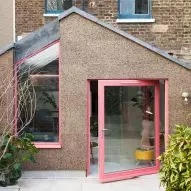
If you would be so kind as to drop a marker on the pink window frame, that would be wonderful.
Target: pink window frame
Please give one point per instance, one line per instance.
(126, 174)
(46, 145)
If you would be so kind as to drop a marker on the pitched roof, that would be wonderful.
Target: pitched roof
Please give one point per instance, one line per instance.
(50, 32)
(34, 41)
(124, 34)
(37, 40)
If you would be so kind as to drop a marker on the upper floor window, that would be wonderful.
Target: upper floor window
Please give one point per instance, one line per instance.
(135, 9)
(57, 6)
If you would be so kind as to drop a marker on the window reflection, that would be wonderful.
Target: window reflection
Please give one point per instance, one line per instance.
(138, 9)
(58, 5)
(130, 135)
(45, 81)
(141, 7)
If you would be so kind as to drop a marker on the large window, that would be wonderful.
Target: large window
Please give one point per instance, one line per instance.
(41, 73)
(57, 6)
(135, 9)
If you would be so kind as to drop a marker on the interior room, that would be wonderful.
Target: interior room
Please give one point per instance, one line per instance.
(94, 128)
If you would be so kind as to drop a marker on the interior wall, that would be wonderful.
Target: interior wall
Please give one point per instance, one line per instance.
(162, 105)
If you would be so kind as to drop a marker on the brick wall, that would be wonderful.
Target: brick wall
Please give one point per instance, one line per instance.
(28, 15)
(171, 31)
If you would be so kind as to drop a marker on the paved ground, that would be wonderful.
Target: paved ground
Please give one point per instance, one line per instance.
(145, 183)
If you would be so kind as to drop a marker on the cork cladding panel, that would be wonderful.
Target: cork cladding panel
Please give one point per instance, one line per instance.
(62, 159)
(6, 75)
(89, 50)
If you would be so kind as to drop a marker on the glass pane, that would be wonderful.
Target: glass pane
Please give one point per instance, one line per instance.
(129, 128)
(58, 4)
(141, 6)
(126, 7)
(43, 88)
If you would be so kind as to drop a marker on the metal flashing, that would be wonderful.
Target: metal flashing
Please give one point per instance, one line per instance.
(37, 40)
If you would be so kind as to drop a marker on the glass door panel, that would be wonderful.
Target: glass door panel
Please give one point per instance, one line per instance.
(129, 128)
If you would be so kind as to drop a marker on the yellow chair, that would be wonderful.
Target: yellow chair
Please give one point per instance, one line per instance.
(144, 155)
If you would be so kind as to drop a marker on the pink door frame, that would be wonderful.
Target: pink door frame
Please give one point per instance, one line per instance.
(166, 113)
(88, 127)
(123, 175)
(130, 173)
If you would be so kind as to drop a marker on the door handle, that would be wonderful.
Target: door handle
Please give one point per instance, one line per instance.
(105, 129)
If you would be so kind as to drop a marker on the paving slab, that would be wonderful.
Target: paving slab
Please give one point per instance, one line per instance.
(66, 184)
(10, 188)
(72, 183)
(35, 184)
(93, 184)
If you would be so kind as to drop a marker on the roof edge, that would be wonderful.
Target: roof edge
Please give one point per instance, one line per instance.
(36, 40)
(6, 48)
(124, 34)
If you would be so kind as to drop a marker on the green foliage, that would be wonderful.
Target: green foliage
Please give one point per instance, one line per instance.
(175, 173)
(94, 127)
(17, 151)
(49, 99)
(112, 100)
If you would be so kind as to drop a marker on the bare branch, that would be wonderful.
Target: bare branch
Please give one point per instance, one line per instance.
(18, 103)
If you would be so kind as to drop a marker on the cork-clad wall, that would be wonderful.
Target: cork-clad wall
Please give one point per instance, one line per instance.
(6, 79)
(90, 51)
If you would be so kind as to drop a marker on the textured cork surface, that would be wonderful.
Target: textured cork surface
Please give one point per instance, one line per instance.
(90, 51)
(6, 75)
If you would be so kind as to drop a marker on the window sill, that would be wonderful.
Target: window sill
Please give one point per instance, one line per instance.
(51, 14)
(152, 20)
(43, 145)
